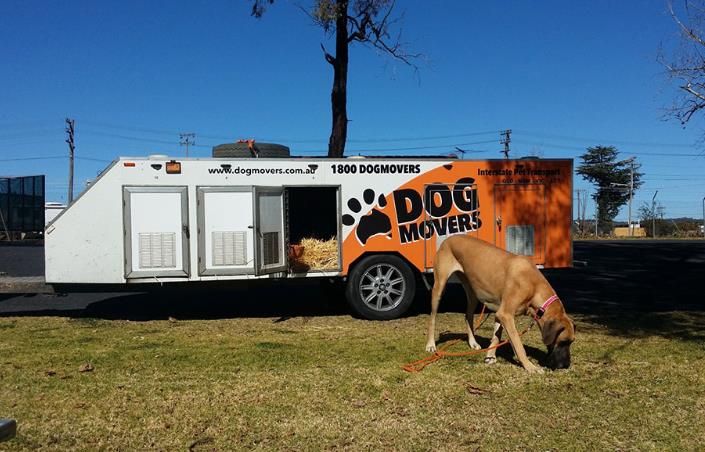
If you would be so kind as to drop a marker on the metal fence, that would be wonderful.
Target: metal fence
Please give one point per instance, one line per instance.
(22, 204)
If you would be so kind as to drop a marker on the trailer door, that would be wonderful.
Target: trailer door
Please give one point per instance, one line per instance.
(270, 240)
(156, 232)
(225, 231)
(449, 209)
(520, 219)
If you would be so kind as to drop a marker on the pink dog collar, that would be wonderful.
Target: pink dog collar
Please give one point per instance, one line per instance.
(540, 311)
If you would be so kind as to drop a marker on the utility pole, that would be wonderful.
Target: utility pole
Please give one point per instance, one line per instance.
(186, 139)
(597, 210)
(9, 237)
(505, 141)
(70, 123)
(577, 193)
(582, 207)
(653, 215)
(630, 187)
(631, 194)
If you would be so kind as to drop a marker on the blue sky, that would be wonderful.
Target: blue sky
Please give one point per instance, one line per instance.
(562, 75)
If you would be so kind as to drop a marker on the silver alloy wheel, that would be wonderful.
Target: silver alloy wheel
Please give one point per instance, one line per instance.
(382, 287)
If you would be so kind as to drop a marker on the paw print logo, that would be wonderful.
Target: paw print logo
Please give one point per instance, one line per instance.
(376, 223)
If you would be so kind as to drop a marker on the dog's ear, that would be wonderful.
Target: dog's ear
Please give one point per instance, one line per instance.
(550, 331)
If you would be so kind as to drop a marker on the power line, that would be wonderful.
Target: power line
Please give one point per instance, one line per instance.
(412, 148)
(132, 138)
(415, 148)
(94, 159)
(529, 133)
(576, 148)
(20, 159)
(290, 140)
(23, 135)
(621, 142)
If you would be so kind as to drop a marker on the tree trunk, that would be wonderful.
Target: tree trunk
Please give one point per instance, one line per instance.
(338, 96)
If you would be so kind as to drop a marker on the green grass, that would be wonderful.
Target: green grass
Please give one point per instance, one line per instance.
(336, 383)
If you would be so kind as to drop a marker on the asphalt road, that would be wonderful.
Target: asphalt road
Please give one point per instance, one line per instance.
(619, 278)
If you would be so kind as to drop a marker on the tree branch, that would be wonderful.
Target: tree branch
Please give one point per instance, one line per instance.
(688, 32)
(329, 58)
(259, 6)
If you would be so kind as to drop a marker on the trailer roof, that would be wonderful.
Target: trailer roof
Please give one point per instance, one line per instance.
(343, 159)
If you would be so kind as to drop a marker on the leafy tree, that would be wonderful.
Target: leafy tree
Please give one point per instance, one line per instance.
(611, 177)
(650, 215)
(648, 212)
(368, 22)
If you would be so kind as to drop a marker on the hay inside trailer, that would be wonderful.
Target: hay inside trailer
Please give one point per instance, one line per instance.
(314, 254)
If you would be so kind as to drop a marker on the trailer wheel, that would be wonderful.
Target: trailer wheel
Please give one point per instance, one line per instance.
(380, 287)
(239, 150)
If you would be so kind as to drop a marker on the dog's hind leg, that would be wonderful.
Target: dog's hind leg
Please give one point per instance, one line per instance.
(436, 294)
(470, 312)
(491, 356)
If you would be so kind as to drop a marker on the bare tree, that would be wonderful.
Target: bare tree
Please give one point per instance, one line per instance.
(686, 64)
(369, 22)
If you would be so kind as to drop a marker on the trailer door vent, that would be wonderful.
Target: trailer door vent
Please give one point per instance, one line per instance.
(520, 240)
(270, 247)
(229, 248)
(157, 249)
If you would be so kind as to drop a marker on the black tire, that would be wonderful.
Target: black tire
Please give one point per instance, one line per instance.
(380, 287)
(240, 150)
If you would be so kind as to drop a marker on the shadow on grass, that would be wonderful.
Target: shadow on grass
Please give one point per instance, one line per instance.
(504, 352)
(637, 289)
(282, 301)
(633, 288)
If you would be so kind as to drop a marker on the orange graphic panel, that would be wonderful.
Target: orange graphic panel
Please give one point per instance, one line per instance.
(506, 202)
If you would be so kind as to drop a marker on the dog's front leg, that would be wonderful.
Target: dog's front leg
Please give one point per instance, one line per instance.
(507, 321)
(491, 356)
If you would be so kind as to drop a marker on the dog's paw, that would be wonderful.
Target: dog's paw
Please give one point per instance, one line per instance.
(490, 360)
(474, 345)
(533, 369)
(431, 348)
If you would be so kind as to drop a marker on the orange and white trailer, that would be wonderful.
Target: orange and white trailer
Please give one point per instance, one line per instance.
(159, 220)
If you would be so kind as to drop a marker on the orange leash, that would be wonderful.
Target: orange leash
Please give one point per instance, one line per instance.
(417, 366)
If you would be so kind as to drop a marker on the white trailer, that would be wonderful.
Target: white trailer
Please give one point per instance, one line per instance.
(158, 220)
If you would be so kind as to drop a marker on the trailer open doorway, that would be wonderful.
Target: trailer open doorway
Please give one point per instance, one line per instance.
(313, 228)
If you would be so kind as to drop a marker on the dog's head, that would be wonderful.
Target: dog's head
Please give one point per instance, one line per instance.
(558, 334)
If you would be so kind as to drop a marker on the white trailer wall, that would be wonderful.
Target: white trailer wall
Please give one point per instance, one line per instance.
(85, 244)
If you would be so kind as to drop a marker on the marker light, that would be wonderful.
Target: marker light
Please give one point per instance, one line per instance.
(129, 164)
(173, 167)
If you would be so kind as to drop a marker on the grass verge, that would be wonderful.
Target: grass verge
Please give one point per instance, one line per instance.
(336, 383)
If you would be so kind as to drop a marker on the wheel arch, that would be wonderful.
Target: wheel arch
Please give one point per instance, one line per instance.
(366, 254)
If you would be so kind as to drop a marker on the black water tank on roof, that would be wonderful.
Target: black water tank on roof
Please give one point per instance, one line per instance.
(261, 150)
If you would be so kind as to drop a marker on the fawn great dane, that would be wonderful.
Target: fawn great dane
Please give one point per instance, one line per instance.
(509, 285)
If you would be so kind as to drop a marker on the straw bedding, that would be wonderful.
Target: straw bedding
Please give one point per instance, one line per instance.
(314, 254)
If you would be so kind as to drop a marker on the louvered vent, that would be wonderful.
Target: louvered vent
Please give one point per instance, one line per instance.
(229, 248)
(157, 249)
(520, 240)
(270, 248)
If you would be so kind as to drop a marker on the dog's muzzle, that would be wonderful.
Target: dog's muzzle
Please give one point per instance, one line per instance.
(559, 357)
